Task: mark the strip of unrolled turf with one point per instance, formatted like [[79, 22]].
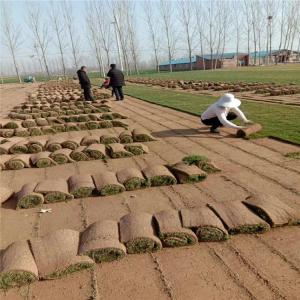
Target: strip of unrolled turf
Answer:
[[100, 241], [138, 234], [202, 162]]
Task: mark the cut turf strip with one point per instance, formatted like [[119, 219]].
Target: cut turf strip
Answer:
[[18, 162], [61, 156], [42, 160], [141, 135], [107, 184], [137, 148], [100, 241], [5, 194], [54, 144], [118, 151], [237, 218], [187, 174], [79, 154], [159, 175], [132, 179], [109, 139], [126, 137], [5, 147], [89, 140], [95, 151], [138, 234], [105, 124], [54, 190], [35, 131], [18, 148], [202, 162], [272, 210], [17, 266], [251, 129], [56, 254], [207, 226], [170, 230], [81, 186], [72, 143], [6, 133], [21, 132], [27, 197], [36, 145]]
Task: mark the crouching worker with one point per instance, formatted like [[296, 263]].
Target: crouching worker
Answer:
[[222, 112]]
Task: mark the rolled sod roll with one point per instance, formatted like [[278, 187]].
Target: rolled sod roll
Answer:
[[62, 156], [105, 124], [79, 154], [56, 254], [3, 159], [7, 133], [82, 126], [42, 122], [17, 266], [132, 179], [187, 174], [20, 147], [107, 183], [48, 130], [54, 190], [272, 210], [54, 144], [89, 140], [116, 123], [81, 186], [71, 143], [18, 162], [159, 175], [5, 194], [141, 135], [6, 146], [138, 234], [95, 151], [21, 132], [34, 131], [54, 120], [238, 218], [116, 115], [92, 125], [137, 148], [36, 145], [94, 117], [27, 197], [207, 226], [58, 127], [100, 241], [202, 162], [109, 139], [71, 127], [29, 123], [83, 118], [126, 137], [245, 132], [170, 229], [11, 125], [107, 117], [117, 150], [42, 160]]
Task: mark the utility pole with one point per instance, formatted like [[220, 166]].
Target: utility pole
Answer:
[[118, 44]]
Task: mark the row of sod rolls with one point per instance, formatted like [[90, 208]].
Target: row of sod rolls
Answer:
[[69, 251]]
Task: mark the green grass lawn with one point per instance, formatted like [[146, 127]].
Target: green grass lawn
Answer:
[[277, 120], [278, 74]]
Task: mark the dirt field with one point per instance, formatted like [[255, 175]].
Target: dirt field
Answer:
[[263, 266]]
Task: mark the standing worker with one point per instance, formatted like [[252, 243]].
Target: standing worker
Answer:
[[85, 83], [222, 112], [116, 81]]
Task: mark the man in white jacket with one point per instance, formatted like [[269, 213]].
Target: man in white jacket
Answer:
[[222, 112]]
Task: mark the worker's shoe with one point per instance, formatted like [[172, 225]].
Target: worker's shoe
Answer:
[[214, 130]]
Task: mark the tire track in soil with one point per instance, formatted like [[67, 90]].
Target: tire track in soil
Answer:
[[219, 153]]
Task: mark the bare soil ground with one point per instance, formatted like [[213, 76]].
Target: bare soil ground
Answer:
[[245, 267]]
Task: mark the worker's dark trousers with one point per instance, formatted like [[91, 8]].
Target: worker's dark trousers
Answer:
[[118, 90], [215, 122], [88, 96]]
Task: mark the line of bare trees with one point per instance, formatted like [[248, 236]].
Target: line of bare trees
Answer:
[[132, 32]]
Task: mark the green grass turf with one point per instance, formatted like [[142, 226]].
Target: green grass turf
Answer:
[[277, 74], [277, 120]]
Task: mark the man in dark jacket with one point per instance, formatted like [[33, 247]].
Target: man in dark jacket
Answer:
[[116, 81], [85, 83]]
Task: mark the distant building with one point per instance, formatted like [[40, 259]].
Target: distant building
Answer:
[[227, 60], [278, 56]]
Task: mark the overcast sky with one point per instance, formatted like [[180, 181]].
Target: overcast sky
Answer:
[[28, 61]]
